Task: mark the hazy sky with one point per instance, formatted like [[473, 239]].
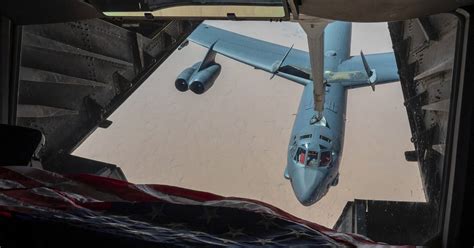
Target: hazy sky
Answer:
[[233, 139]]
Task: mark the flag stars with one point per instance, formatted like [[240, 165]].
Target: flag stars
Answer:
[[297, 233], [235, 232], [209, 215], [264, 241], [156, 212], [267, 222], [226, 241], [176, 225]]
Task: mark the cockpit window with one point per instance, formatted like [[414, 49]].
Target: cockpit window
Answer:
[[307, 136], [312, 158], [325, 138], [300, 156], [325, 158]]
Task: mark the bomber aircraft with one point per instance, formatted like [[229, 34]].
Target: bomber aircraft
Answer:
[[316, 142]]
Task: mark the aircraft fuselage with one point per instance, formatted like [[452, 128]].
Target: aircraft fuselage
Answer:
[[322, 140]]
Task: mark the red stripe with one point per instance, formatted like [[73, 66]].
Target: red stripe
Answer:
[[29, 197], [121, 189], [5, 214], [19, 178], [186, 193]]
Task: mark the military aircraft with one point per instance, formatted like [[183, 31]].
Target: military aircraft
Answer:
[[315, 146]]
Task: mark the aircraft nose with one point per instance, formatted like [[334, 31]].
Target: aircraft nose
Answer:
[[308, 185]]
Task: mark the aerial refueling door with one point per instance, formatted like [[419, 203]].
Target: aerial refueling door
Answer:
[[195, 9]]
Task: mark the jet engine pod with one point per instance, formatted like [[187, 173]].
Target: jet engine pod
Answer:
[[204, 79], [182, 80]]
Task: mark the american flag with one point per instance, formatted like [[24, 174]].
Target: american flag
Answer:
[[101, 208]]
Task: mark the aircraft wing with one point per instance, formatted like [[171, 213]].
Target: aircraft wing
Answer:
[[283, 61], [383, 64]]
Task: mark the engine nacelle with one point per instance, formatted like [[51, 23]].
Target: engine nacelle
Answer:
[[183, 78], [204, 79]]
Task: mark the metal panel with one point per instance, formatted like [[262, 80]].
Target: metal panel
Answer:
[[74, 75]]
